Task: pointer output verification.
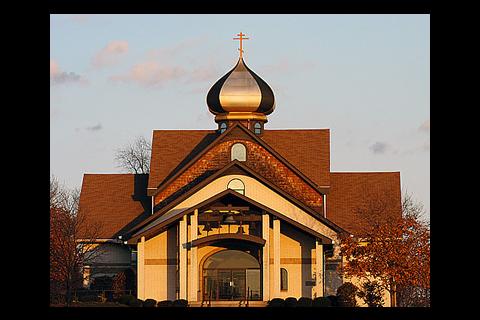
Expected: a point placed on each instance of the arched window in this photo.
(231, 275)
(236, 185)
(223, 127)
(239, 152)
(257, 128)
(283, 279)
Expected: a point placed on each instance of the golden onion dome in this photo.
(241, 94)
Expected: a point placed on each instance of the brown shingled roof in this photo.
(307, 150)
(351, 191)
(171, 149)
(116, 201)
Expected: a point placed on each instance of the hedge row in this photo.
(131, 301)
(330, 301)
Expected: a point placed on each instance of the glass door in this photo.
(238, 284)
(225, 284)
(253, 284)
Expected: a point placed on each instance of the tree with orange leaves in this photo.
(72, 243)
(395, 251)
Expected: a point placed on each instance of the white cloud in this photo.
(150, 73)
(110, 54)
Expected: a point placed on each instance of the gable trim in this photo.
(163, 185)
(224, 171)
(153, 231)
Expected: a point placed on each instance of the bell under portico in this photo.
(230, 247)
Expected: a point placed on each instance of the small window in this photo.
(283, 279)
(239, 152)
(333, 278)
(236, 185)
(223, 127)
(257, 128)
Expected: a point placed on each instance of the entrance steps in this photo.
(228, 304)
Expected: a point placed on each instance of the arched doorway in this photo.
(230, 275)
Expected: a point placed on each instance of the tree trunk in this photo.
(393, 296)
(69, 289)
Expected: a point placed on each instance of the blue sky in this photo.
(366, 77)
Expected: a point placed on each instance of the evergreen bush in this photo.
(305, 302)
(346, 294)
(276, 302)
(150, 303)
(180, 303)
(165, 303)
(333, 300)
(290, 302)
(322, 302)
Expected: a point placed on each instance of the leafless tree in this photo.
(72, 242)
(135, 157)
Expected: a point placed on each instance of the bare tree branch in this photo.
(135, 157)
(67, 254)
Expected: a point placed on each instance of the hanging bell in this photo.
(207, 227)
(240, 229)
(229, 219)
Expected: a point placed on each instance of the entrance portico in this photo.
(231, 247)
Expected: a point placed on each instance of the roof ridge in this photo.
(363, 172)
(114, 174)
(299, 129)
(200, 130)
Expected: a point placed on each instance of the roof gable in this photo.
(308, 151)
(176, 215)
(234, 167)
(235, 132)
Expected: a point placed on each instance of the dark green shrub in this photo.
(165, 303)
(333, 300)
(136, 303)
(371, 294)
(180, 303)
(322, 302)
(290, 302)
(126, 299)
(90, 298)
(305, 302)
(346, 295)
(276, 302)
(150, 303)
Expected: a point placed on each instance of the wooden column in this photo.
(319, 268)
(193, 274)
(276, 258)
(141, 269)
(266, 256)
(183, 257)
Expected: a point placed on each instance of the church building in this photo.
(233, 213)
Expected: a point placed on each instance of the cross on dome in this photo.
(241, 38)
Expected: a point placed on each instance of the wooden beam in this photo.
(230, 208)
(228, 236)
